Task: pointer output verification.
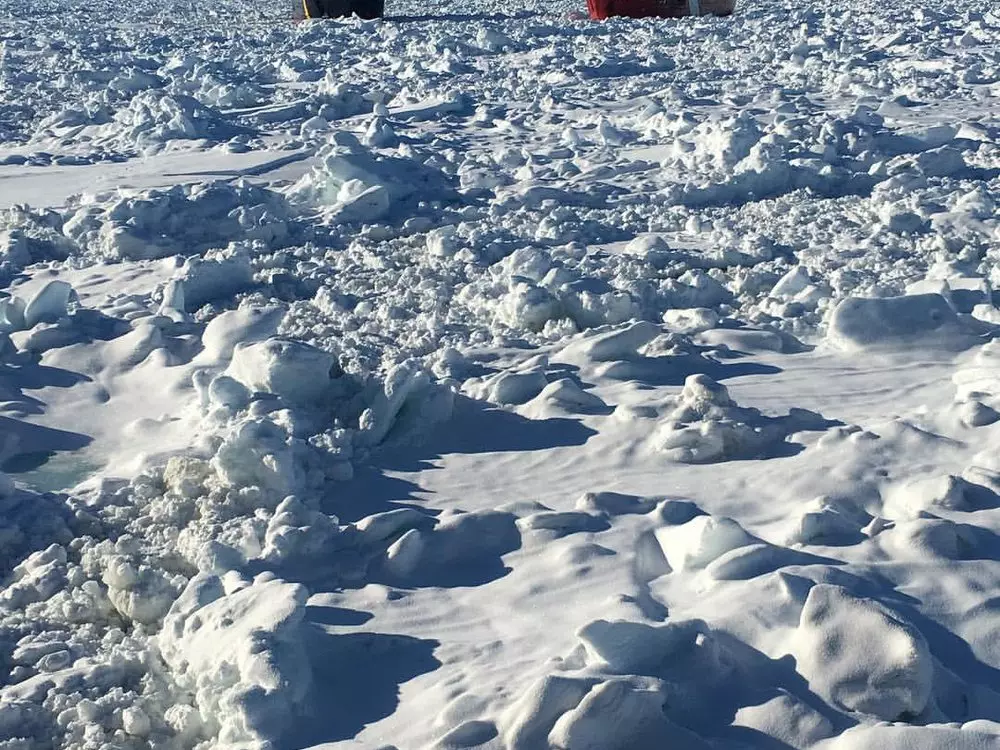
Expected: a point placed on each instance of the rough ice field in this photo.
(485, 377)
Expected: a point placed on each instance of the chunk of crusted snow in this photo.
(862, 656)
(240, 653)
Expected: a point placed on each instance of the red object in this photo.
(598, 9)
(602, 9)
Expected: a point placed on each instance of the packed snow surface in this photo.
(488, 377)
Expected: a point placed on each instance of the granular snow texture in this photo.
(488, 377)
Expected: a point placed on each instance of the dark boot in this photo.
(368, 8)
(337, 8)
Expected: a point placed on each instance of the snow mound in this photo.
(976, 386)
(948, 492)
(565, 396)
(895, 322)
(787, 719)
(180, 220)
(651, 683)
(631, 647)
(621, 714)
(700, 541)
(898, 737)
(530, 719)
(571, 712)
(715, 548)
(28, 236)
(703, 424)
(936, 538)
(861, 656)
(152, 119)
(203, 279)
(355, 184)
(826, 520)
(508, 387)
(293, 371)
(617, 344)
(462, 547)
(238, 649)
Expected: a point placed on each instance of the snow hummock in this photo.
(888, 671)
(238, 646)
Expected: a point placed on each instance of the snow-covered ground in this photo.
(486, 377)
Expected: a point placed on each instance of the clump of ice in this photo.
(178, 221)
(691, 321)
(297, 531)
(246, 324)
(30, 236)
(356, 184)
(153, 118)
(703, 424)
(405, 398)
(285, 415)
(48, 304)
(72, 614)
(294, 371)
(139, 592)
(527, 305)
(218, 94)
(202, 279)
(259, 453)
(543, 290)
(237, 647)
(29, 522)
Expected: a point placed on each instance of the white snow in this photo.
(240, 654)
(488, 377)
(862, 657)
